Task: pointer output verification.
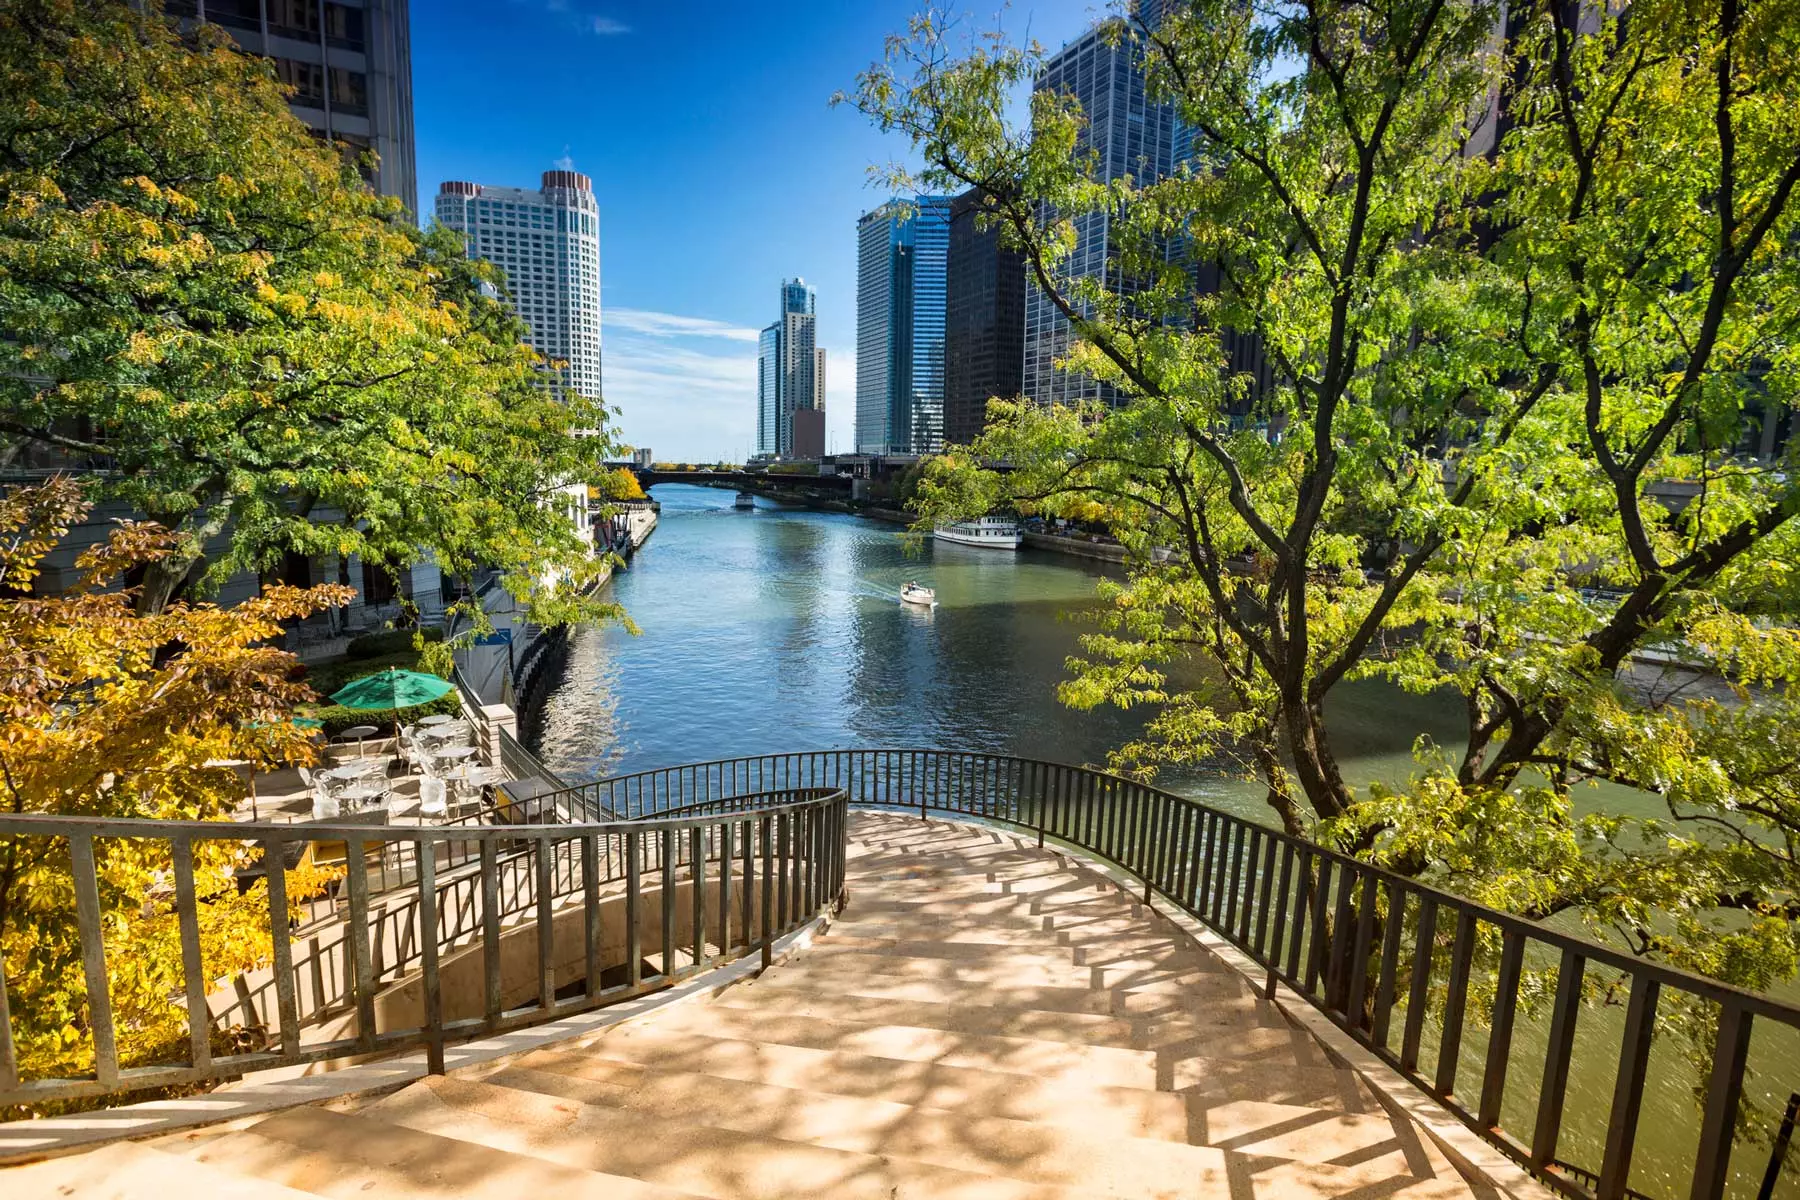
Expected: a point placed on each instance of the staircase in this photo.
(984, 1020)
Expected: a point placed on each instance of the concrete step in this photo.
(1061, 1156)
(342, 1155)
(133, 1171)
(1024, 1056)
(1003, 972)
(695, 1157)
(1147, 949)
(869, 900)
(1204, 993)
(1001, 1017)
(1120, 1112)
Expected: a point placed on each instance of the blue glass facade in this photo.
(902, 258)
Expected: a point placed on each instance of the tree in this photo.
(102, 720)
(205, 301)
(620, 484)
(1520, 296)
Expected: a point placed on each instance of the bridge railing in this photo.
(753, 868)
(1490, 1013)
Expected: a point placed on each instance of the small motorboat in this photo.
(915, 593)
(744, 501)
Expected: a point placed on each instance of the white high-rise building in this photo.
(548, 244)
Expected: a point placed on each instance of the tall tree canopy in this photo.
(1522, 288)
(203, 299)
(101, 720)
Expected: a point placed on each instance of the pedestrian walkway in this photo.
(986, 1019)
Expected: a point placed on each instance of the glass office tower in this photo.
(790, 374)
(902, 260)
(1129, 136)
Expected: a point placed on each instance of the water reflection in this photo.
(781, 629)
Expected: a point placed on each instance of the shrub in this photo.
(390, 641)
(335, 718)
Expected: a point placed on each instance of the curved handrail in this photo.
(1323, 922)
(766, 865)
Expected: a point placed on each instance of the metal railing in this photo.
(1410, 971)
(1405, 968)
(764, 866)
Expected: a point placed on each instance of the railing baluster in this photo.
(697, 888)
(428, 952)
(1287, 932)
(1359, 954)
(1208, 839)
(362, 970)
(1724, 1089)
(546, 924)
(282, 970)
(748, 899)
(1253, 858)
(634, 915)
(768, 892)
(193, 968)
(590, 915)
(727, 851)
(1419, 996)
(1260, 945)
(1388, 979)
(490, 933)
(1462, 953)
(1500, 1028)
(1628, 1089)
(1237, 877)
(669, 850)
(1319, 944)
(93, 959)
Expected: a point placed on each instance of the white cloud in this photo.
(581, 21)
(684, 386)
(665, 325)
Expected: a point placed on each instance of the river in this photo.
(781, 629)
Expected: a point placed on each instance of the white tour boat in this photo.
(914, 593)
(996, 533)
(745, 500)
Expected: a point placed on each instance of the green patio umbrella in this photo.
(391, 689)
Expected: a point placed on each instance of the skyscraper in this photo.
(902, 252)
(548, 243)
(790, 375)
(1129, 135)
(350, 64)
(984, 321)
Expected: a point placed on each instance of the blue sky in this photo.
(719, 166)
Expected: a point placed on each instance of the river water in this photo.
(781, 630)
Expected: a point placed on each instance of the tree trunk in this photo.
(1314, 765)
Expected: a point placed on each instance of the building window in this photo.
(344, 26)
(238, 14)
(349, 91)
(307, 80)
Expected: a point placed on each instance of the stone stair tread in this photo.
(1205, 993)
(1130, 1112)
(1002, 973)
(1061, 1156)
(691, 1156)
(1017, 1055)
(134, 1171)
(343, 1155)
(1142, 1032)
